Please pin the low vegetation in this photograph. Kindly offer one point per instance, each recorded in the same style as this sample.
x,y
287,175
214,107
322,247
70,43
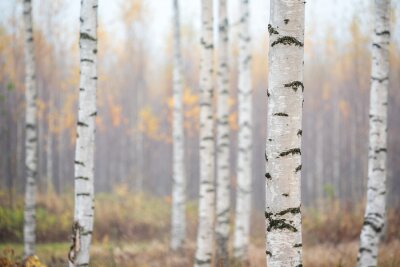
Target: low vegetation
x,y
133,230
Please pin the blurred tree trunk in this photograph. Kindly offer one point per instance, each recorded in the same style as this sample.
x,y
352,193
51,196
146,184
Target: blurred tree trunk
x,y
207,191
284,134
319,160
84,151
223,175
336,145
31,158
244,170
375,213
178,232
49,160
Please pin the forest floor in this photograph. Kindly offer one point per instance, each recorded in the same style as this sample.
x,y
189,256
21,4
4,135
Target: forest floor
x,y
132,230
156,254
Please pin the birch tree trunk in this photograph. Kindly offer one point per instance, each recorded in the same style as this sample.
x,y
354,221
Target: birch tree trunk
x,y
284,133
375,213
243,200
84,152
179,180
31,155
223,176
207,192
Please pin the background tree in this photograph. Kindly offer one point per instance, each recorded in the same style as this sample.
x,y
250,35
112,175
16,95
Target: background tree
x,y
284,132
207,156
223,144
84,153
31,158
178,175
244,164
375,213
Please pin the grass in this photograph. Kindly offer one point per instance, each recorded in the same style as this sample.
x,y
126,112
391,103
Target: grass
x,y
133,230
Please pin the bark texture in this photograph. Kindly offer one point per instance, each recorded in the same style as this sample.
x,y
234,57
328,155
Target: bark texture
x,y
207,191
284,134
84,151
244,171
31,155
179,180
223,175
375,213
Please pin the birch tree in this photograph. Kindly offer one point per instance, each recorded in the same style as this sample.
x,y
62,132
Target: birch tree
x,y
223,176
243,202
207,192
84,151
375,213
284,133
31,155
179,181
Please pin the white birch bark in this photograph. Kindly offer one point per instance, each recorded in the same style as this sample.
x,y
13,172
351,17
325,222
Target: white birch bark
x,y
244,177
284,133
31,155
223,175
207,192
375,213
179,181
84,151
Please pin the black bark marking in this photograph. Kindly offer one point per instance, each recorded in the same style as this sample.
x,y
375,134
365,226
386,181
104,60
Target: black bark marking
x,y
83,194
287,40
79,163
292,151
368,222
376,45
205,45
380,80
82,124
268,176
295,85
86,36
298,169
286,21
299,133
271,30
280,114
289,210
268,253
382,33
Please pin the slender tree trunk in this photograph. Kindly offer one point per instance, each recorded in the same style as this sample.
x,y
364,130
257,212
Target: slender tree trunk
x,y
179,180
375,213
244,177
84,152
49,160
319,162
223,176
207,192
336,147
284,133
31,156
